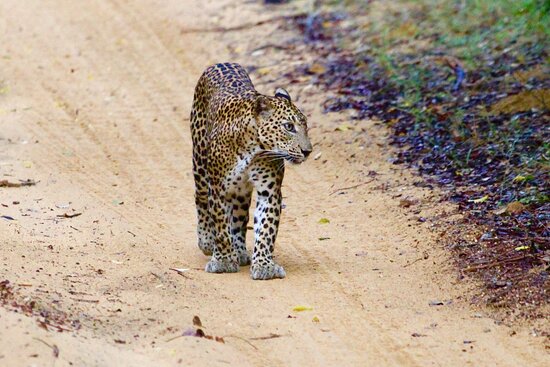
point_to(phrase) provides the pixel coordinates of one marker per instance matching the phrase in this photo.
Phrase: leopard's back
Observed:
(223, 91)
(219, 86)
(230, 77)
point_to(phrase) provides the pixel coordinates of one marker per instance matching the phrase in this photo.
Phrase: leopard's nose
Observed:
(306, 152)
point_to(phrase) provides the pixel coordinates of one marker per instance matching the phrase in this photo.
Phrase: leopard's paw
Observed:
(222, 266)
(267, 271)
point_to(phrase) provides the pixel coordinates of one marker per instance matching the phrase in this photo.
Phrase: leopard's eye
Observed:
(289, 127)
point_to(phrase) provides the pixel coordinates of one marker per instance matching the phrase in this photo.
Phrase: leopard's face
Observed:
(282, 127)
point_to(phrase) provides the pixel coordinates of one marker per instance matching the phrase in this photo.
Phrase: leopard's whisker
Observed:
(275, 159)
(274, 156)
(268, 153)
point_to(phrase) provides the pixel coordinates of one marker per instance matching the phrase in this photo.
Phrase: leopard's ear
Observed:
(282, 93)
(263, 106)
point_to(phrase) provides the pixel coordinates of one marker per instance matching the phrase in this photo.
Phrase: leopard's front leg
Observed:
(224, 258)
(241, 205)
(267, 177)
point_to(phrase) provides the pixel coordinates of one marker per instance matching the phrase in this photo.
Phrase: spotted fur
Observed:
(241, 140)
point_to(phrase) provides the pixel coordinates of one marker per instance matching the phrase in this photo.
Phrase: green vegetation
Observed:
(465, 88)
(493, 41)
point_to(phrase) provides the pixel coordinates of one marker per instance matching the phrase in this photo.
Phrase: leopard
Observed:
(241, 142)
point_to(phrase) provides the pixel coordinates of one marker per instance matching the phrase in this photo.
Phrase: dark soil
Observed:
(47, 318)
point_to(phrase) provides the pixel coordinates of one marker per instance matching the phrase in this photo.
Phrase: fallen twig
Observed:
(66, 215)
(54, 347)
(413, 262)
(243, 26)
(180, 271)
(6, 183)
(156, 275)
(174, 338)
(270, 45)
(490, 265)
(351, 187)
(270, 336)
(451, 62)
(86, 300)
(198, 333)
(243, 339)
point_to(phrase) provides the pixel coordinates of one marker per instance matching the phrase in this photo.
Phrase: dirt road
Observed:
(94, 105)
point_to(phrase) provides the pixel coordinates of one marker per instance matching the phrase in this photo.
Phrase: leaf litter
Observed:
(198, 332)
(478, 127)
(48, 319)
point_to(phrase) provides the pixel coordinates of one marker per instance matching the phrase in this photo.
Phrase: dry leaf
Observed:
(317, 68)
(519, 178)
(480, 200)
(342, 127)
(514, 207)
(407, 202)
(301, 308)
(55, 350)
(197, 321)
(523, 101)
(263, 71)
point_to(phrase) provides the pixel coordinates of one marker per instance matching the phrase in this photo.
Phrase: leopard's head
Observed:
(282, 127)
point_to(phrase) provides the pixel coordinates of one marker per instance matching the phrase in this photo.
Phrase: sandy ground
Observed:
(94, 104)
